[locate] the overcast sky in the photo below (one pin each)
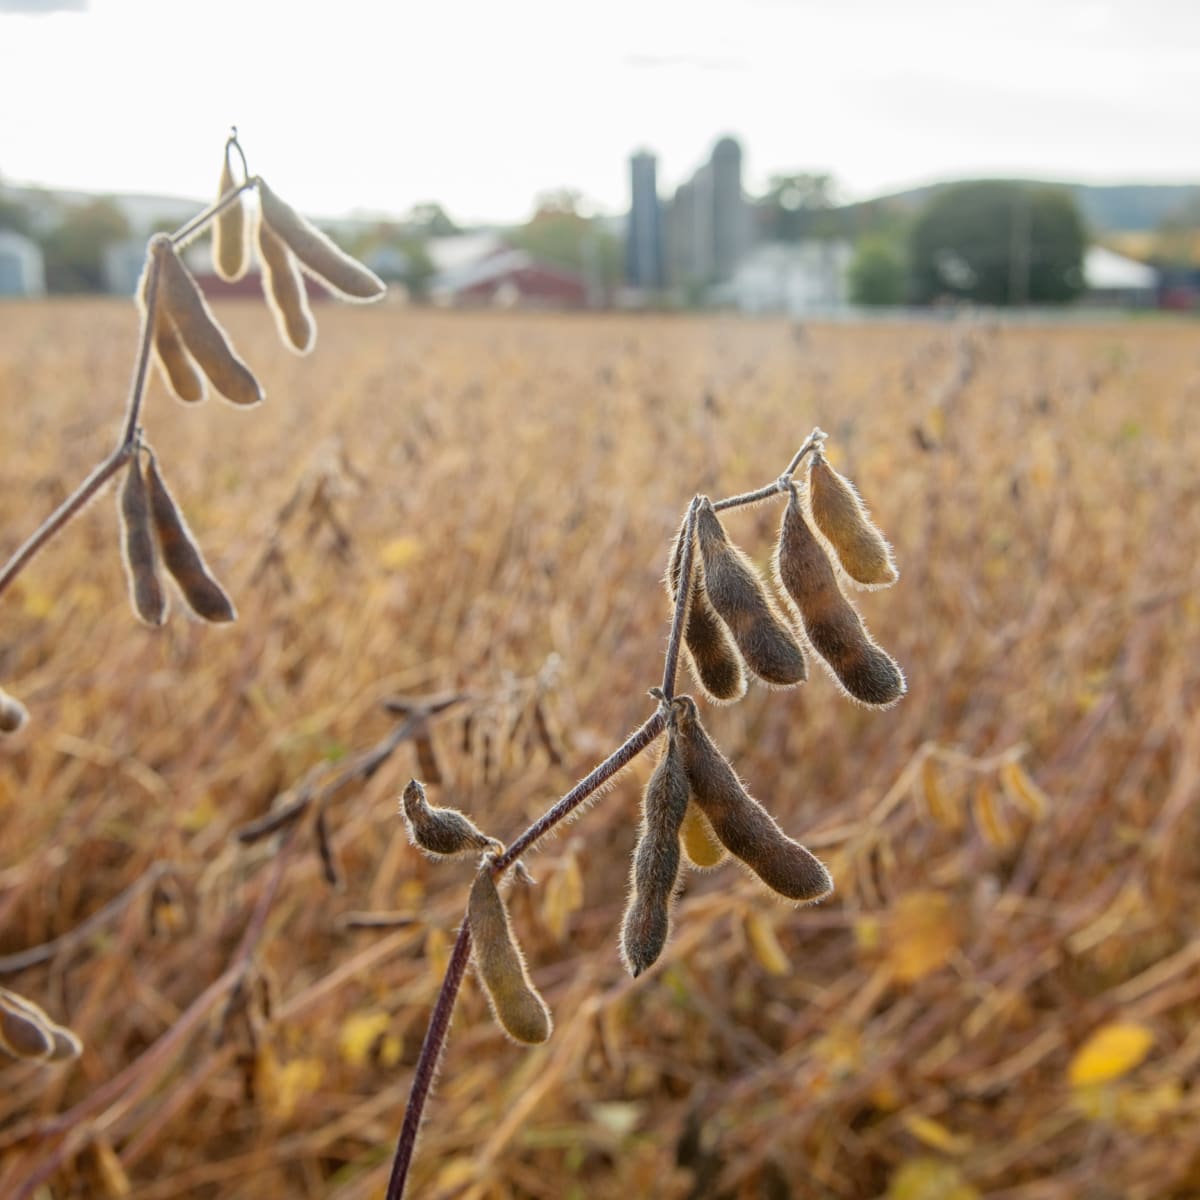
(480, 104)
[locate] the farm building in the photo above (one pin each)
(483, 270)
(1113, 280)
(799, 278)
(22, 268)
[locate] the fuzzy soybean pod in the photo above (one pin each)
(230, 257)
(332, 266)
(13, 714)
(28, 1032)
(178, 368)
(699, 843)
(182, 557)
(203, 337)
(283, 286)
(831, 624)
(137, 546)
(743, 826)
(841, 516)
(501, 967)
(740, 599)
(441, 832)
(712, 658)
(647, 922)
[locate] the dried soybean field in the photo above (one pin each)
(1000, 999)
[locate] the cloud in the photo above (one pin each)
(37, 7)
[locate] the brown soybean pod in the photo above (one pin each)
(204, 338)
(13, 714)
(831, 624)
(740, 599)
(21, 1033)
(316, 252)
(182, 557)
(178, 368)
(743, 826)
(229, 231)
(647, 921)
(501, 968)
(441, 832)
(137, 544)
(284, 288)
(712, 658)
(841, 516)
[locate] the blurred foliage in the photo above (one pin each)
(878, 271)
(560, 234)
(75, 246)
(998, 242)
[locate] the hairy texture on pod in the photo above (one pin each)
(831, 624)
(740, 599)
(841, 516)
(229, 231)
(698, 840)
(13, 714)
(283, 286)
(712, 658)
(316, 252)
(647, 920)
(201, 334)
(182, 557)
(440, 831)
(137, 545)
(743, 826)
(501, 968)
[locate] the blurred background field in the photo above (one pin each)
(1000, 1000)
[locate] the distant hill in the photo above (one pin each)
(1116, 208)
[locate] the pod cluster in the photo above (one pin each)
(694, 803)
(154, 532)
(735, 628)
(28, 1032)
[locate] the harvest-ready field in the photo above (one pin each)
(998, 1001)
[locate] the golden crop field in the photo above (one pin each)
(1002, 997)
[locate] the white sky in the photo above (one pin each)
(480, 104)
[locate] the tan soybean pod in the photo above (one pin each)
(230, 256)
(203, 337)
(283, 286)
(700, 844)
(842, 517)
(647, 921)
(501, 968)
(995, 827)
(1023, 792)
(441, 832)
(181, 555)
(742, 602)
(28, 1032)
(743, 826)
(13, 714)
(833, 627)
(944, 809)
(177, 366)
(137, 546)
(331, 265)
(712, 657)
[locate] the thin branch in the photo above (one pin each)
(813, 442)
(22, 960)
(431, 1051)
(196, 225)
(683, 595)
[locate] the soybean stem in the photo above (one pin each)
(682, 597)
(812, 442)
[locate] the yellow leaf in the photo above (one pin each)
(399, 552)
(765, 945)
(929, 1179)
(935, 1134)
(1144, 1110)
(922, 933)
(457, 1173)
(283, 1086)
(867, 933)
(359, 1033)
(1112, 1051)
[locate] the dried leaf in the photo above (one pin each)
(1111, 1052)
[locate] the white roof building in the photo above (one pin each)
(22, 267)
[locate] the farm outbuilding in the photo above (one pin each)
(22, 268)
(511, 279)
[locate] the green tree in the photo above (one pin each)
(878, 273)
(75, 247)
(998, 242)
(14, 215)
(561, 235)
